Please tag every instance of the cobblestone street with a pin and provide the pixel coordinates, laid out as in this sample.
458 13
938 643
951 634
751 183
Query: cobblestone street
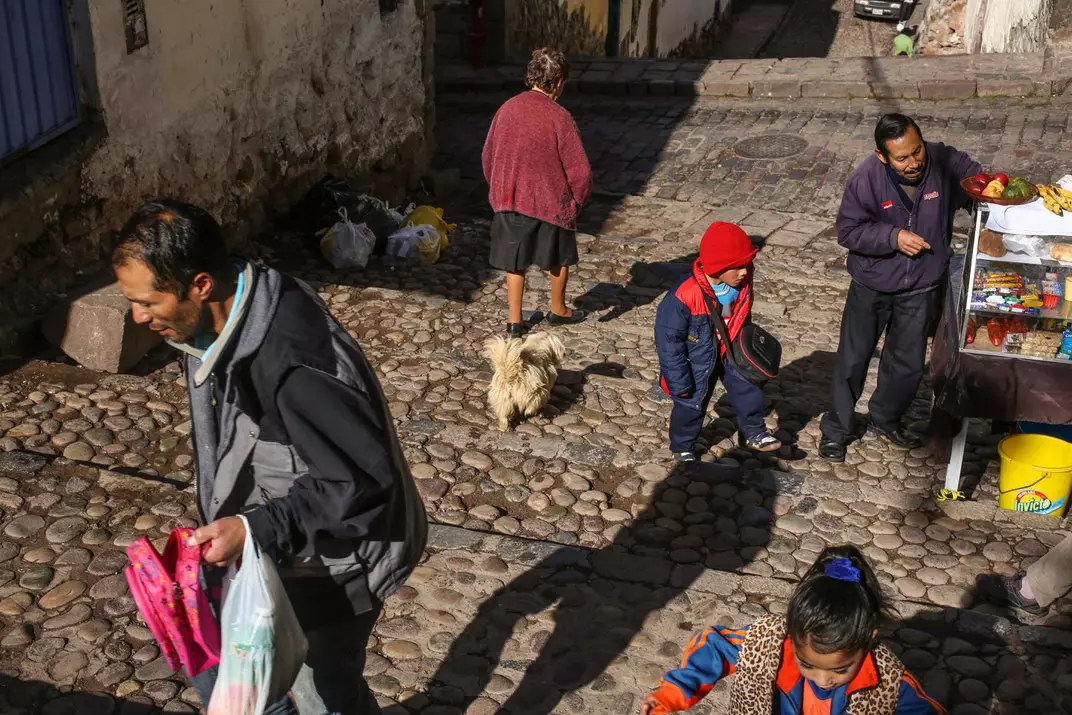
569 562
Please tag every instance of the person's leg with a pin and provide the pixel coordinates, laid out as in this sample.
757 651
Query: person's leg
863 320
559 276
515 293
1050 577
903 356
685 425
332 679
203 683
686 422
747 401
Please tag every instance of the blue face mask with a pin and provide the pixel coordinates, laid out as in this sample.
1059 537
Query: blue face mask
724 292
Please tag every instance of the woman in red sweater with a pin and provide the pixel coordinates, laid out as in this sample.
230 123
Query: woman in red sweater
539 178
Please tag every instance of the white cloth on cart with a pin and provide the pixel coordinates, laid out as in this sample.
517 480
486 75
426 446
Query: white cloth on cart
1032 219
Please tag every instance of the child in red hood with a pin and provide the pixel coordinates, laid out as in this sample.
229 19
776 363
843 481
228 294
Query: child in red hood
691 356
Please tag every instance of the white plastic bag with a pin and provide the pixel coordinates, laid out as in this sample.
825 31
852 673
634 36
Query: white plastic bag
423 241
263 646
347 244
1033 246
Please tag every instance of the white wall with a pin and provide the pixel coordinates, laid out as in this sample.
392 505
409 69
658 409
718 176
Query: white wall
681 19
675 22
1015 25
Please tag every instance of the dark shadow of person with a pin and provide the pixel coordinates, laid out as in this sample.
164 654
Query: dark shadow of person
31 697
647 283
981 660
701 516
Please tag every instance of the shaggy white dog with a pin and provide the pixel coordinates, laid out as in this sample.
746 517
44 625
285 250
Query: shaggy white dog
525 371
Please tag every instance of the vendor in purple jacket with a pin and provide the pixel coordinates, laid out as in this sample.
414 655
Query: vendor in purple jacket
896 219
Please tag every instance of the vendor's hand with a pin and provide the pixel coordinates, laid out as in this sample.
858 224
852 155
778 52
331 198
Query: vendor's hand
911 244
648 704
225 538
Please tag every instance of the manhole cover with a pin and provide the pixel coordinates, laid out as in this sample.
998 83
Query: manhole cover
777 146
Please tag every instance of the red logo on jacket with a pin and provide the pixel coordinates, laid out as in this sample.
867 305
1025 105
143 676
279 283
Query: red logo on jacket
931 195
887 205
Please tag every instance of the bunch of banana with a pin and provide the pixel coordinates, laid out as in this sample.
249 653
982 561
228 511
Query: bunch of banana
1056 199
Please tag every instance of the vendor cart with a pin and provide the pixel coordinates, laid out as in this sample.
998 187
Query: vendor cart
1002 350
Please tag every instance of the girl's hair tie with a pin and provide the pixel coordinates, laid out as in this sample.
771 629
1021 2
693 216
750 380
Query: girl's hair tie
841 569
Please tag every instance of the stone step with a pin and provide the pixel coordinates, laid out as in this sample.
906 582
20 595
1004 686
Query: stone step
953 77
96 329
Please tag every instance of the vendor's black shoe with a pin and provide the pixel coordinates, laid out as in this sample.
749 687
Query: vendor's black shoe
899 437
1004 591
515 330
831 451
685 457
577 316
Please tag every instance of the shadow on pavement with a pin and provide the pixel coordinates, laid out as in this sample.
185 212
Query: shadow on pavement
33 697
604 597
977 660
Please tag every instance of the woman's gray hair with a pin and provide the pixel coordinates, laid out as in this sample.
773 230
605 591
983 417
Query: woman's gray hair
547 68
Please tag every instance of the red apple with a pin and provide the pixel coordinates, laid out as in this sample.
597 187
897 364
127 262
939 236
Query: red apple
985 178
1004 179
976 186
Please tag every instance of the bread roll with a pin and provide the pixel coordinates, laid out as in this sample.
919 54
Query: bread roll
991 244
1061 252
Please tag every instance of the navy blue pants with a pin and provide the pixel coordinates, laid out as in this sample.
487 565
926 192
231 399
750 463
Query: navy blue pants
745 398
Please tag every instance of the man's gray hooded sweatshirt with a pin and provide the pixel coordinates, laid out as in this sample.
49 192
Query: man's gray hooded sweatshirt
292 430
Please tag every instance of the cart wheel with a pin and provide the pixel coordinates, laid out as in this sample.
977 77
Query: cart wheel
951 495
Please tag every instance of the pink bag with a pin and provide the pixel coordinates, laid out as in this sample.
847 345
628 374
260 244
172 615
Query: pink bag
172 601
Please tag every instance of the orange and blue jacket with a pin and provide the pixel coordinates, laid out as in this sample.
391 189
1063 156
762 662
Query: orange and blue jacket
712 655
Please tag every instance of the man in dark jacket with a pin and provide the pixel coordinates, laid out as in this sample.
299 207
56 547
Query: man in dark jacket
896 219
291 431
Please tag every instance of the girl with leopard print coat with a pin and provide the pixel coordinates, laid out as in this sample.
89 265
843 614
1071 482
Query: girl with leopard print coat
822 658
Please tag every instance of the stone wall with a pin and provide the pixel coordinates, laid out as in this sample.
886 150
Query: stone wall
237 106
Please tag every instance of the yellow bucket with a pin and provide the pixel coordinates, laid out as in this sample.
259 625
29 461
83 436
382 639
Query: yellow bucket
1036 474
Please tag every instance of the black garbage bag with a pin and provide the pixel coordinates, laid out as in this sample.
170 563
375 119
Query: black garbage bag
320 209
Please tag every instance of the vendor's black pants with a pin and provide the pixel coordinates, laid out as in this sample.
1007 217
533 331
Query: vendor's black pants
868 314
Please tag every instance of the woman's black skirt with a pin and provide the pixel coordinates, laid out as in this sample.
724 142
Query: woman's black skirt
519 241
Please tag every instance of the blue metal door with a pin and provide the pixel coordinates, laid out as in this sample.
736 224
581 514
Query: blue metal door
38 97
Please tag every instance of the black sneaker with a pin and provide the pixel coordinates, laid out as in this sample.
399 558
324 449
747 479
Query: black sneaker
831 451
515 330
1005 591
684 456
899 437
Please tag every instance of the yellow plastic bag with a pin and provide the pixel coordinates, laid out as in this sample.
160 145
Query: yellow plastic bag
430 216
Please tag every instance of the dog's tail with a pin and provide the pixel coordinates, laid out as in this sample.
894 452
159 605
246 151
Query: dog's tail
505 357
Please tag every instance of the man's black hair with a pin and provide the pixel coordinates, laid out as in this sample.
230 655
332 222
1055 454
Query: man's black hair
836 616
176 241
893 126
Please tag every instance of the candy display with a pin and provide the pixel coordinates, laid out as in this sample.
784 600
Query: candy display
1006 291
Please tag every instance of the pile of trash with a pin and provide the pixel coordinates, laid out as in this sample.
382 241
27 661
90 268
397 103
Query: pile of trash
350 227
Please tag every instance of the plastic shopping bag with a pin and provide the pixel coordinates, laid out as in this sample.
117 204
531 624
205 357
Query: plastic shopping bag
347 244
263 645
423 241
430 216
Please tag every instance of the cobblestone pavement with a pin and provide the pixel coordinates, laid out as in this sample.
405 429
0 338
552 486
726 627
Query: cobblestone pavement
571 542
822 28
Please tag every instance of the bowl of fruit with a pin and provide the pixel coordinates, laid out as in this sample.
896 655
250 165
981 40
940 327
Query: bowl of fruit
1000 189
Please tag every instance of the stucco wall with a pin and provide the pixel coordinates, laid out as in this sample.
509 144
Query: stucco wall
1016 25
680 21
959 26
659 28
238 106
578 27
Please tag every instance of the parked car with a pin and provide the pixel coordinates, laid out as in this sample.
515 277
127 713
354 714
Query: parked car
899 10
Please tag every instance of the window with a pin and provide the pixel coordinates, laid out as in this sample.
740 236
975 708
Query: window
38 93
